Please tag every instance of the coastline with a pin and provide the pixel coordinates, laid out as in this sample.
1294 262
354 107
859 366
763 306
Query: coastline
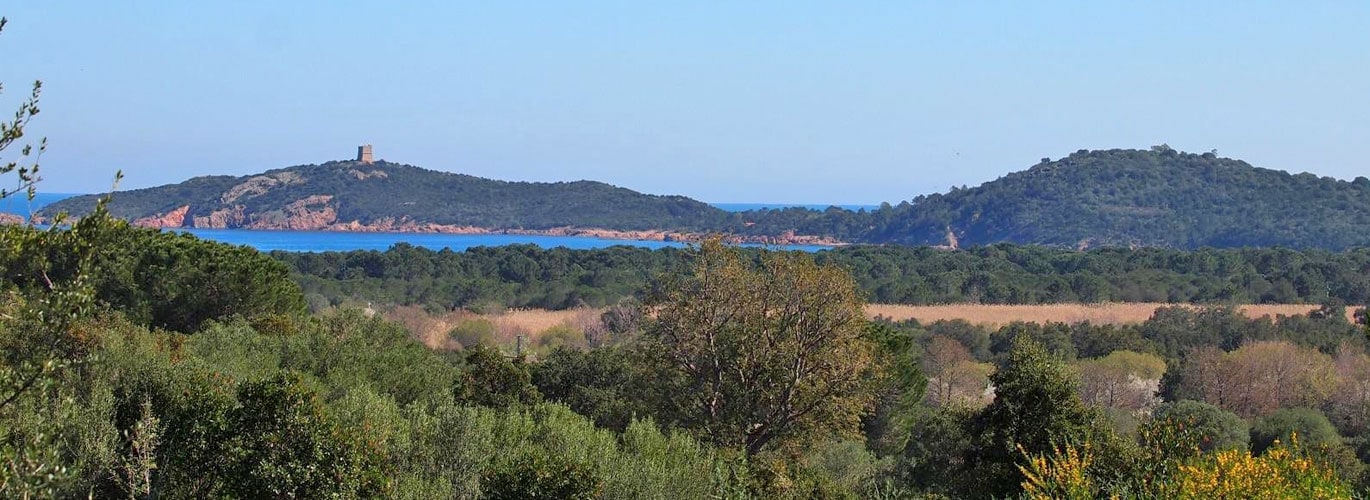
327 223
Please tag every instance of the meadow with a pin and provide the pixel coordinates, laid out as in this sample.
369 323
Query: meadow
1112 313
508 325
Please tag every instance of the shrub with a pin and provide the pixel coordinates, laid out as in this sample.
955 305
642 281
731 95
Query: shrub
1311 425
1204 427
561 336
536 473
474 332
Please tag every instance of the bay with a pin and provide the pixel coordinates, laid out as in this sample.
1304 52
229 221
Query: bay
743 207
335 241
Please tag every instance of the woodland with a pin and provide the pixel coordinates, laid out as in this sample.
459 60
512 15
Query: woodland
136 363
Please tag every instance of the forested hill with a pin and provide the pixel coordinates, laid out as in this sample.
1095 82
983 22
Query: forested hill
385 195
1159 197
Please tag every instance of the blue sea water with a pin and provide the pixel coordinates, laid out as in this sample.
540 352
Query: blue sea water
743 207
19 204
324 241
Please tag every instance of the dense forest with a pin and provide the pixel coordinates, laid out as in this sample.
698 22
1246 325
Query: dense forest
560 278
1119 198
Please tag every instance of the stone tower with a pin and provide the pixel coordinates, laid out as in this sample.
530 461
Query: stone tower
364 154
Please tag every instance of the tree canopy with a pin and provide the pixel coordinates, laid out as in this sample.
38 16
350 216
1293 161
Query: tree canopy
765 351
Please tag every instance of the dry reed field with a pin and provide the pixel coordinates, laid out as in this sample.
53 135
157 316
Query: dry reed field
1110 313
433 330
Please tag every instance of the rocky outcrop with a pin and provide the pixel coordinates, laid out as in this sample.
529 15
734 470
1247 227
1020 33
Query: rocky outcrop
10 219
318 213
374 174
174 218
311 213
222 219
259 185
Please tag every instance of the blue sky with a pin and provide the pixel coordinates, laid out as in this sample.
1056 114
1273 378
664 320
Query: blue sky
812 102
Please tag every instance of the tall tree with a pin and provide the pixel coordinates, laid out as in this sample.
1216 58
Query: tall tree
763 350
1036 407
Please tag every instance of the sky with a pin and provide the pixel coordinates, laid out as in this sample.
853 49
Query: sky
756 101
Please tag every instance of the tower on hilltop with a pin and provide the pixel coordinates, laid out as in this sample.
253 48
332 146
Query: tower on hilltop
364 154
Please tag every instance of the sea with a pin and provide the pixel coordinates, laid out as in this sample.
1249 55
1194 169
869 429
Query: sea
333 241
743 207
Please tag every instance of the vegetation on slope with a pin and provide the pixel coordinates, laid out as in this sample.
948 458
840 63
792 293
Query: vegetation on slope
1158 197
372 192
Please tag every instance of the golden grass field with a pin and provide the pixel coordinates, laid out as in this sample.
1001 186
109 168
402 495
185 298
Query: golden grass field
432 330
1104 313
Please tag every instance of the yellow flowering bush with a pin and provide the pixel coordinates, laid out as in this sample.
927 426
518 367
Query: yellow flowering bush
1064 474
1282 472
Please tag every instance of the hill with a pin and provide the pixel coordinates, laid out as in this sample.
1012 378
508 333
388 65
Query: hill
1158 197
350 195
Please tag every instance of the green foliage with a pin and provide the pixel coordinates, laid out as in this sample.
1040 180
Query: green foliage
1311 426
933 454
1036 407
607 384
384 190
1121 197
561 337
492 380
560 278
850 466
285 446
537 474
167 280
766 351
345 350
474 332
1195 426
487 451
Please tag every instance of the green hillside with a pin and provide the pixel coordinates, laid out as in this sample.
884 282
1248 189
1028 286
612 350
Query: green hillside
1159 197
371 192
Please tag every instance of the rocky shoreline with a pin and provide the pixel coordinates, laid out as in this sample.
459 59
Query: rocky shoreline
315 214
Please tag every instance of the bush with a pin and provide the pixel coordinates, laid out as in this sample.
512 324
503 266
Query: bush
561 336
285 446
474 332
1205 427
536 473
1313 429
491 380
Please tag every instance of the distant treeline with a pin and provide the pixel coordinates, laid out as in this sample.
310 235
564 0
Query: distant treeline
560 278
